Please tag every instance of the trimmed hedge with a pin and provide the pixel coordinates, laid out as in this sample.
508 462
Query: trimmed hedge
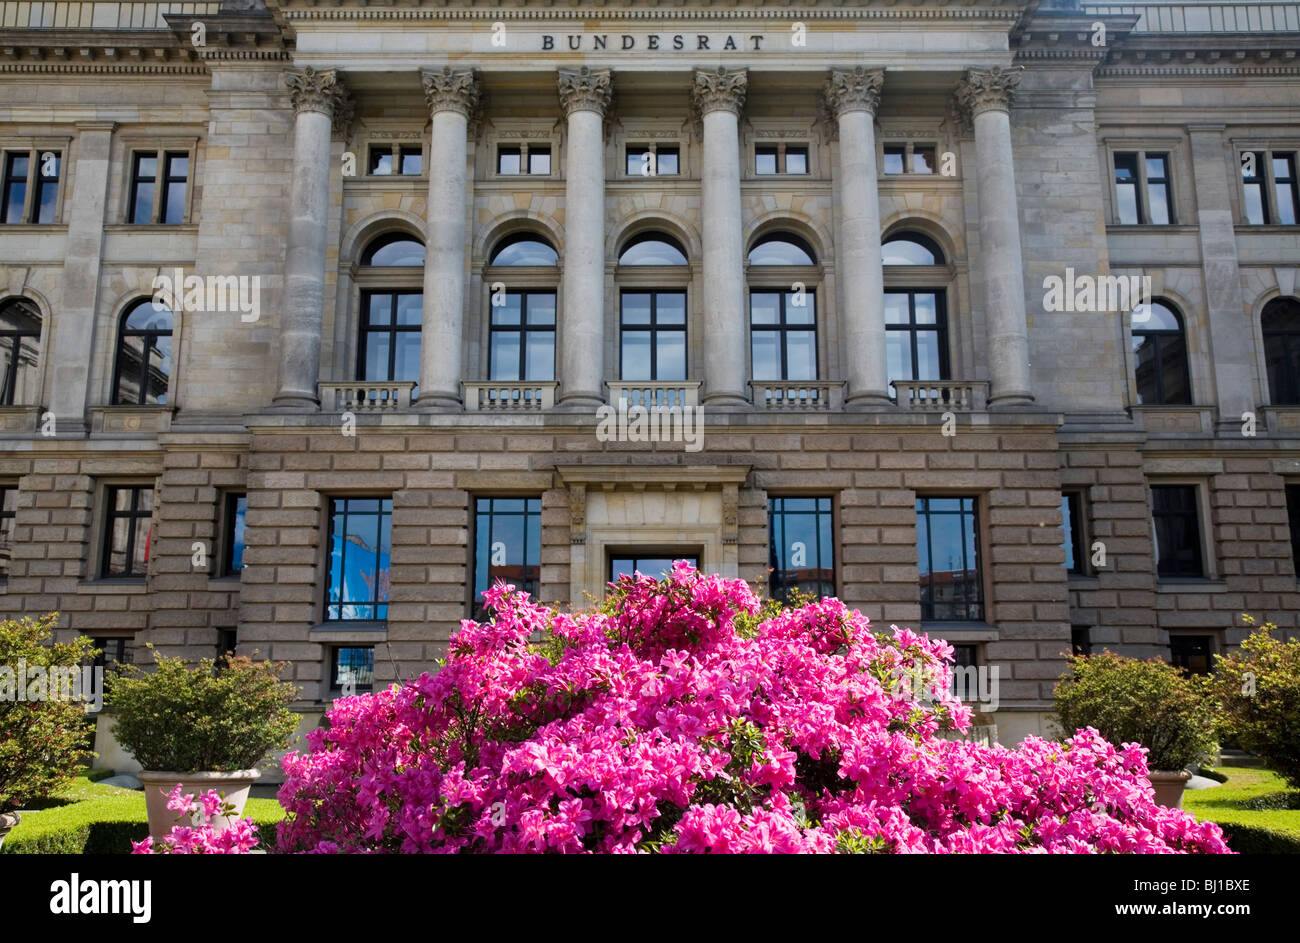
1258 813
102 820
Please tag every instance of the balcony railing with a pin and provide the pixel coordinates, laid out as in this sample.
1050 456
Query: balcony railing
942 395
1257 17
656 394
365 396
509 397
798 395
97 14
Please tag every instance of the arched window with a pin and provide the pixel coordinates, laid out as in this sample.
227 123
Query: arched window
20 352
916 309
1160 355
652 248
144 355
910 248
524 249
1280 321
392 250
388 348
782 248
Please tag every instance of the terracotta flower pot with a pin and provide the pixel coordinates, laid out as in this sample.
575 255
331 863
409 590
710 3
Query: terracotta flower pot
8 822
1169 787
158 785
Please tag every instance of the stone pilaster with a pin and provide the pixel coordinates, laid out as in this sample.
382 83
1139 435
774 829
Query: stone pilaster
984 97
585 94
852 98
719 99
315 94
453 97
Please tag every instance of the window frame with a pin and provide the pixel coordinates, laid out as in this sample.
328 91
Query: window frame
525 149
1143 183
9 384
651 147
374 603
913 328
783 328
1200 515
136 516
113 399
334 652
9 524
981 603
831 515
523 329
229 524
673 554
162 153
1211 649
1136 331
1290 488
474 608
780 150
365 329
1288 339
907 149
654 329
1267 181
1076 539
33 182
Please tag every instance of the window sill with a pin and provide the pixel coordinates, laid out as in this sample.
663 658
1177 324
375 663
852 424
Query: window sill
961 631
1190 584
168 228
1162 228
114 586
1082 579
1266 227
33 227
334 633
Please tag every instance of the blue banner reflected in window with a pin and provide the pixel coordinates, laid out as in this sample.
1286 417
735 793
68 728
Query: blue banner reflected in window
360 545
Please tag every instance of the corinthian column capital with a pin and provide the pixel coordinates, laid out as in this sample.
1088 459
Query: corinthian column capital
982 90
449 90
720 90
853 90
585 89
314 90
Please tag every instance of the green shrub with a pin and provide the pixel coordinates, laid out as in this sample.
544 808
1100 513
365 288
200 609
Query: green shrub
1257 692
187 720
1147 702
42 740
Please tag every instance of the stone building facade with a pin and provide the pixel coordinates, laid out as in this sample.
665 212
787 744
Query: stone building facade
431 259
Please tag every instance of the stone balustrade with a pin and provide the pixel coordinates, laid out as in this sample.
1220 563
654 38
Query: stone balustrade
365 395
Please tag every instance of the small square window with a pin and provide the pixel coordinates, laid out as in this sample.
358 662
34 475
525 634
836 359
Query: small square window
895 155
381 160
1194 654
412 161
765 159
1080 640
796 160
667 161
353 670
539 160
508 160
923 159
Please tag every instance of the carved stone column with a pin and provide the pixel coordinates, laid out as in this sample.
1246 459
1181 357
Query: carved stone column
584 95
453 97
719 99
984 98
852 98
315 95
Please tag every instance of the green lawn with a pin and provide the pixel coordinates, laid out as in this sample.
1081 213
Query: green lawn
89 818
1256 809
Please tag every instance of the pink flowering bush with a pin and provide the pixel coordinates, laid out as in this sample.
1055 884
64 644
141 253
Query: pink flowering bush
681 716
201 838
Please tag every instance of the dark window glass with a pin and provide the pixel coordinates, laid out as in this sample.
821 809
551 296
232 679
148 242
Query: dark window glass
653 335
910 249
172 209
394 250
796 160
17 167
952 588
127 532
353 670
524 249
412 159
48 165
389 348
652 248
227 644
8 517
1160 356
1192 653
1293 519
782 248
1127 196
1080 640
1178 530
144 178
655 567
20 353
916 335
965 656
1072 526
667 161
509 160
144 356
1157 167
233 547
765 157
923 159
1284 188
662 162
539 160
381 159
801 552
783 335
895 155
1253 170
1280 321
522 337
113 651
360 546
507 546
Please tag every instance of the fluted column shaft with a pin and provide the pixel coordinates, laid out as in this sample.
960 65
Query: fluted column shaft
719 99
584 95
852 97
452 97
315 95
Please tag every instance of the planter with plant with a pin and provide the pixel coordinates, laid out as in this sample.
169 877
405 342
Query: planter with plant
201 727
1150 703
43 732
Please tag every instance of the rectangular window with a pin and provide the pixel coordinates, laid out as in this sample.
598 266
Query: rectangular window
796 160
127 532
1268 183
952 586
1252 183
783 335
1178 533
801 552
159 185
412 160
389 348
1081 640
1194 654
653 336
765 159
1284 188
923 159
539 160
232 547
17 168
507 546
361 540
8 517
227 643
781 159
910 158
660 161
1157 171
172 210
1293 518
48 164
1142 188
1072 527
509 160
113 651
35 172
965 656
353 670
515 159
895 158
1127 202
916 335
144 179
522 337
655 566
381 160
